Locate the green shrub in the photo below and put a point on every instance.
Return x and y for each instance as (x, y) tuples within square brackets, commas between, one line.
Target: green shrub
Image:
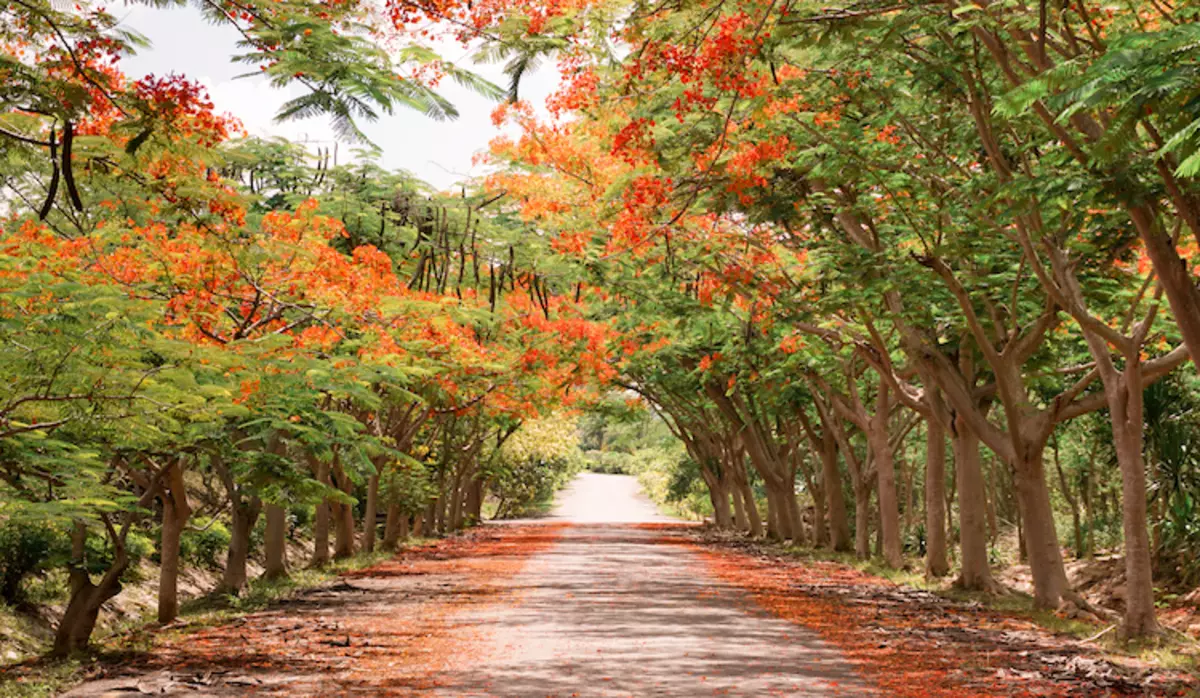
[(527, 487), (26, 548), (205, 543), (610, 462)]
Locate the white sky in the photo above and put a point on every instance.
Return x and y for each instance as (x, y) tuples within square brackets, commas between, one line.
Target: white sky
[(438, 152)]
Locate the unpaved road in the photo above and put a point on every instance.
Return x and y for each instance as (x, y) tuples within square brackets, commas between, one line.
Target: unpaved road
[(602, 604), (615, 609)]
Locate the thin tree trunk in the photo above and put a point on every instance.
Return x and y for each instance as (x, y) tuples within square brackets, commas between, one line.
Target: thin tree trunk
[(936, 564), (439, 518), (244, 511), (396, 527), (976, 575), (889, 512), (372, 512), (773, 531), (454, 513), (79, 620), (244, 515), (835, 498), (175, 514), (474, 507), (275, 543), (719, 495), (785, 498), (797, 517), (820, 529), (1126, 414), (756, 523), (740, 519), (320, 556), (1022, 547), (1139, 618), (343, 524), (991, 500), (1045, 557), (1173, 274), (1086, 492), (1072, 501), (862, 521)]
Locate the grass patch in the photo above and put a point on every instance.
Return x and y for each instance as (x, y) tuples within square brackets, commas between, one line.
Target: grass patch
[(48, 679), (873, 566), (45, 677), (1172, 651), (260, 593), (19, 634)]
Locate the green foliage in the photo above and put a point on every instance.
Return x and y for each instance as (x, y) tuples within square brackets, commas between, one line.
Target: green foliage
[(204, 543), (526, 488), (536, 461), (406, 484), (99, 554), (25, 549), (1172, 433), (609, 462)]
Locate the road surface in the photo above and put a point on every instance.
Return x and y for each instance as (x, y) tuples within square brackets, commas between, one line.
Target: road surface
[(614, 609)]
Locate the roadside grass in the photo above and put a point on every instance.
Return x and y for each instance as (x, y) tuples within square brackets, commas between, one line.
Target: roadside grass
[(42, 676), (1172, 650)]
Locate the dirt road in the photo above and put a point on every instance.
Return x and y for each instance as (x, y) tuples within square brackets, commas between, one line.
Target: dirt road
[(617, 609), (596, 600)]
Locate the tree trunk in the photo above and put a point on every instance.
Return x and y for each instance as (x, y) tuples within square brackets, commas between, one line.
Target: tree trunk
[(439, 517), (244, 511), (275, 543), (1045, 556), (740, 520), (756, 524), (1155, 532), (1072, 501), (773, 531), (722, 517), (1173, 274), (1123, 392), (372, 512), (244, 516), (889, 512), (991, 499), (796, 515), (79, 620), (1086, 493), (835, 498), (976, 575), (878, 535), (820, 529), (396, 528), (418, 527), (343, 524), (474, 505), (862, 521), (936, 564), (1022, 548), (785, 499), (175, 514), (454, 514), (320, 556), (1126, 415), (1139, 618)]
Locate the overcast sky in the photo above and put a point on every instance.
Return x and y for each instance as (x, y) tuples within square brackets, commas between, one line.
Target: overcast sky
[(438, 152)]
